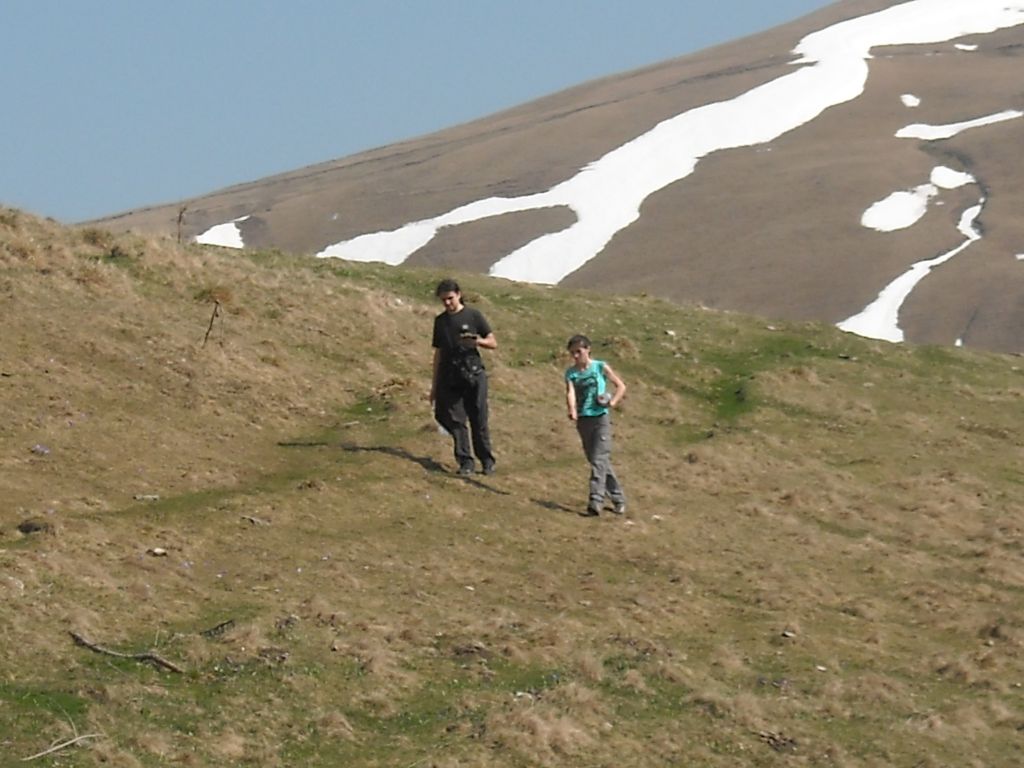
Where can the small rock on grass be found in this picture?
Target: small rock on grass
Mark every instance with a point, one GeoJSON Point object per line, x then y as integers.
{"type": "Point", "coordinates": [34, 525]}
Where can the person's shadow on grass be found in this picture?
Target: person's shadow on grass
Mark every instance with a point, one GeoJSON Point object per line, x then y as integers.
{"type": "Point", "coordinates": [424, 461]}
{"type": "Point", "coordinates": [554, 506]}
{"type": "Point", "coordinates": [429, 464]}
{"type": "Point", "coordinates": [399, 453]}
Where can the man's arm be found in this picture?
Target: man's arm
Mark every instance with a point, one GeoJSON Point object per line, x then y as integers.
{"type": "Point", "coordinates": [487, 342]}
{"type": "Point", "coordinates": [436, 365]}
{"type": "Point", "coordinates": [485, 335]}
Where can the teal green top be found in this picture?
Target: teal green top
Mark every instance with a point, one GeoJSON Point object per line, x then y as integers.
{"type": "Point", "coordinates": [588, 383]}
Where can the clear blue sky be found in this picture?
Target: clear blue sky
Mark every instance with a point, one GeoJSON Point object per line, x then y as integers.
{"type": "Point", "coordinates": [116, 104]}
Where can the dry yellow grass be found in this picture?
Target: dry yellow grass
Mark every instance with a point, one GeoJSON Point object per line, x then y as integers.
{"type": "Point", "coordinates": [821, 564]}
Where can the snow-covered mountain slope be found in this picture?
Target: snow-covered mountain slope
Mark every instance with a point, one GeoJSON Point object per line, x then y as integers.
{"type": "Point", "coordinates": [859, 166]}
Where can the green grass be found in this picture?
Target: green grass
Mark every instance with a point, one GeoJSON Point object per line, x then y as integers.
{"type": "Point", "coordinates": [859, 496]}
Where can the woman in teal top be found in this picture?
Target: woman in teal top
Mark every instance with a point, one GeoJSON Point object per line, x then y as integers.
{"type": "Point", "coordinates": [588, 401]}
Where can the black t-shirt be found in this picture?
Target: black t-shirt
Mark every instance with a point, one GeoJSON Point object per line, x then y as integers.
{"type": "Point", "coordinates": [448, 327]}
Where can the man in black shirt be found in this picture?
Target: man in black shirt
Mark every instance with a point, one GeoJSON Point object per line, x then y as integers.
{"type": "Point", "coordinates": [459, 385]}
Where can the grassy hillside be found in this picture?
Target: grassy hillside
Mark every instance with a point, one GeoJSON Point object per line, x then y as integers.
{"type": "Point", "coordinates": [225, 464]}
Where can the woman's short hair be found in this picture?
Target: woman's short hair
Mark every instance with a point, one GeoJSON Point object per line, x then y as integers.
{"type": "Point", "coordinates": [578, 340]}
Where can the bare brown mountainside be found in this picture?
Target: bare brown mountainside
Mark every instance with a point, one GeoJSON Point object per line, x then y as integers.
{"type": "Point", "coordinates": [772, 230]}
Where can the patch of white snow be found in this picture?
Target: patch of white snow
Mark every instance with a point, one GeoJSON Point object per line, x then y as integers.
{"type": "Point", "coordinates": [880, 319]}
{"type": "Point", "coordinates": [904, 209]}
{"type": "Point", "coordinates": [226, 235]}
{"type": "Point", "coordinates": [935, 132]}
{"type": "Point", "coordinates": [606, 195]}
{"type": "Point", "coordinates": [900, 209]}
{"type": "Point", "coordinates": [947, 178]}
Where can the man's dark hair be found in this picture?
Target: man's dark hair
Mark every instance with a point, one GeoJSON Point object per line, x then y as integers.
{"type": "Point", "coordinates": [447, 286]}
{"type": "Point", "coordinates": [579, 339]}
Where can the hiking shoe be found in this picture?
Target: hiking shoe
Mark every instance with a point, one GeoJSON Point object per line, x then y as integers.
{"type": "Point", "coordinates": [592, 511]}
{"type": "Point", "coordinates": [619, 508]}
{"type": "Point", "coordinates": [488, 468]}
{"type": "Point", "coordinates": [466, 470]}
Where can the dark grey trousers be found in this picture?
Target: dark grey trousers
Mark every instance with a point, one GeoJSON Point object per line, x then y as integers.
{"type": "Point", "coordinates": [457, 404]}
{"type": "Point", "coordinates": [596, 436]}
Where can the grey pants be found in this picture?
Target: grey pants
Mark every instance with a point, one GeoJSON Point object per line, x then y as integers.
{"type": "Point", "coordinates": [458, 403]}
{"type": "Point", "coordinates": [596, 435]}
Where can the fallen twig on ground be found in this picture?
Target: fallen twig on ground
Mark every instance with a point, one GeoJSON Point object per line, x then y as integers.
{"type": "Point", "coordinates": [62, 745]}
{"type": "Point", "coordinates": [220, 629]}
{"type": "Point", "coordinates": [216, 311]}
{"type": "Point", "coordinates": [145, 656]}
